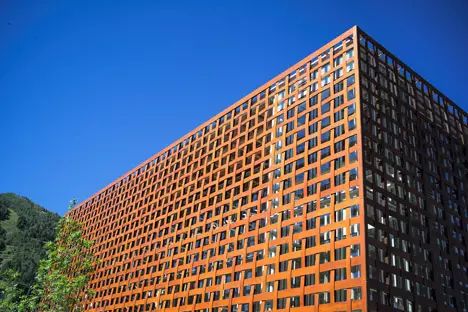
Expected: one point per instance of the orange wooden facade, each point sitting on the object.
(258, 209)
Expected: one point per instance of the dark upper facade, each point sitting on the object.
(415, 164)
(336, 186)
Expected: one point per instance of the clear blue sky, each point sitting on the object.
(90, 89)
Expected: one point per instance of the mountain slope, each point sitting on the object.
(24, 228)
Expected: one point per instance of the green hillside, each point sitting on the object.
(24, 228)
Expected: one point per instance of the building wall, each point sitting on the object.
(415, 171)
(260, 208)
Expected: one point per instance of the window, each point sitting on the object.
(325, 122)
(340, 179)
(349, 66)
(338, 60)
(355, 271)
(301, 120)
(340, 253)
(294, 301)
(350, 80)
(338, 87)
(310, 261)
(311, 173)
(340, 295)
(280, 119)
(354, 211)
(282, 284)
(325, 68)
(324, 277)
(313, 142)
(339, 130)
(338, 101)
(356, 293)
(339, 115)
(340, 162)
(337, 73)
(340, 234)
(314, 75)
(312, 158)
(324, 297)
(340, 274)
(340, 215)
(309, 300)
(325, 137)
(313, 101)
(324, 257)
(339, 146)
(325, 219)
(311, 224)
(281, 303)
(325, 238)
(313, 114)
(352, 140)
(325, 80)
(351, 94)
(301, 107)
(325, 108)
(355, 250)
(354, 192)
(313, 87)
(325, 94)
(354, 229)
(325, 168)
(325, 152)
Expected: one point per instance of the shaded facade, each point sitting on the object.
(316, 192)
(415, 163)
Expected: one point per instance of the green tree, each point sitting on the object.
(12, 293)
(62, 278)
(25, 227)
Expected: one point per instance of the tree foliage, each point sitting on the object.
(63, 276)
(25, 228)
(61, 283)
(12, 296)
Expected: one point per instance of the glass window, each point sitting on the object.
(324, 257)
(356, 271)
(325, 122)
(337, 73)
(324, 297)
(324, 277)
(352, 140)
(325, 152)
(325, 108)
(340, 274)
(325, 94)
(340, 295)
(340, 253)
(325, 137)
(309, 299)
(325, 68)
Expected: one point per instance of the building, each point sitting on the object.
(339, 185)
